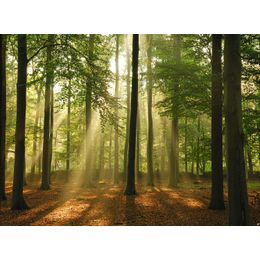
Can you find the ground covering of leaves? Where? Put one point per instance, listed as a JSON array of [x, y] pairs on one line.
[[106, 205]]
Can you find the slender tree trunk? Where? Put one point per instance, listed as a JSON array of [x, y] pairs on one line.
[[150, 181], [2, 115], [137, 156], [130, 186], [174, 174], [185, 145], [217, 196], [128, 60], [198, 149], [68, 133], [35, 133], [45, 185], [88, 171], [116, 164], [18, 201], [237, 188]]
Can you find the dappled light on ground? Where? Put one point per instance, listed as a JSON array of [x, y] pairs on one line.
[[106, 205]]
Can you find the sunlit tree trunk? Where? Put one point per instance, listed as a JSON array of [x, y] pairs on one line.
[[128, 61], [35, 134], [237, 188], [45, 185], [130, 186], [150, 181], [88, 105], [68, 132], [217, 197], [116, 164], [2, 115], [18, 201]]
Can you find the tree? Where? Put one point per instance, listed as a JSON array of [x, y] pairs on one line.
[[2, 114], [217, 197], [149, 111], [237, 188], [45, 185], [18, 201], [116, 164], [130, 186]]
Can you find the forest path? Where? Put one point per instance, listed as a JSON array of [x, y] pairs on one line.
[[106, 205]]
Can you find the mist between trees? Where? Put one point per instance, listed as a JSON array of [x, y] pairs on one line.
[[151, 110]]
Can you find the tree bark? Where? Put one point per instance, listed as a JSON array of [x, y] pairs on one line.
[[2, 115], [150, 181], [45, 185], [237, 188], [128, 61], [116, 164], [130, 186], [217, 196], [18, 201]]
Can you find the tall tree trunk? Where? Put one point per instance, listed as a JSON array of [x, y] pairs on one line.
[[35, 133], [237, 188], [45, 185], [174, 174], [150, 181], [2, 115], [217, 196], [88, 171], [130, 186], [128, 61], [116, 164], [68, 132], [18, 201]]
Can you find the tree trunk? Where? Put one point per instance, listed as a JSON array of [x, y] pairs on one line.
[[128, 60], [116, 165], [88, 171], [2, 115], [237, 188], [68, 133], [45, 185], [35, 133], [198, 149], [150, 181], [217, 196], [130, 186], [18, 201], [174, 169]]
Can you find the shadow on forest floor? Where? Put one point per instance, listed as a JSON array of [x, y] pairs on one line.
[[106, 205]]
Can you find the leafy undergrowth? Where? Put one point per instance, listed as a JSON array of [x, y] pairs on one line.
[[106, 205]]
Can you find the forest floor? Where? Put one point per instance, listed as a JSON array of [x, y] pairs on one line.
[[106, 205]]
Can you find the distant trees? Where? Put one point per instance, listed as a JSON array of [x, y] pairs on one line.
[[237, 188], [18, 201], [2, 114], [217, 197], [130, 186]]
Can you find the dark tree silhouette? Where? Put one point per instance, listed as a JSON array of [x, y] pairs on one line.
[[45, 185], [237, 188], [2, 114], [18, 201], [217, 197], [130, 187]]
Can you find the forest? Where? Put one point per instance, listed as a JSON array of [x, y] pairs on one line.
[[130, 129]]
